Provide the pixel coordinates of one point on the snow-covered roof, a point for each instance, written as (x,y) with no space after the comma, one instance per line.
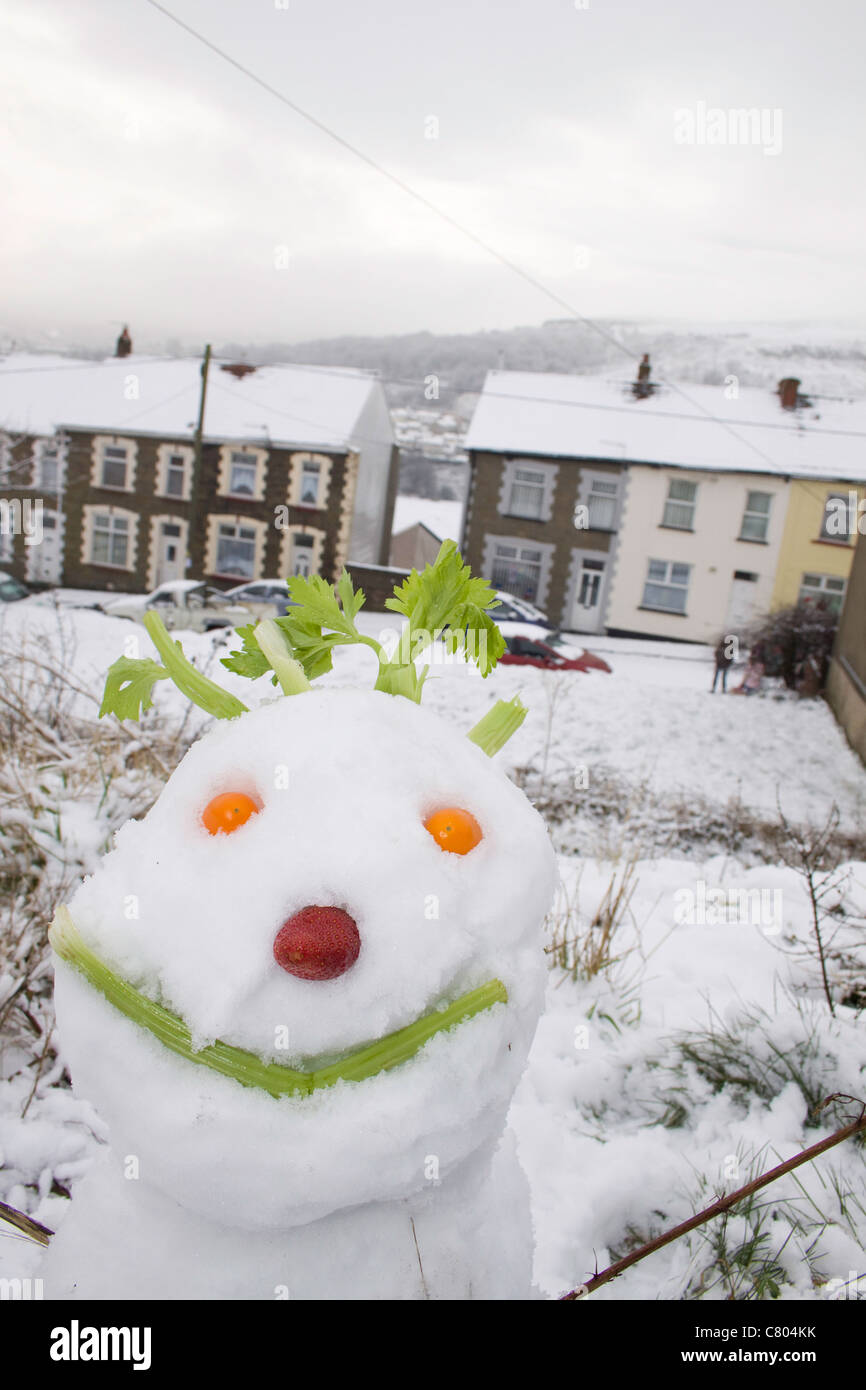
(298,406)
(687,426)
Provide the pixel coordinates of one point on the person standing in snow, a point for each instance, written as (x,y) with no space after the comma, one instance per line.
(724,660)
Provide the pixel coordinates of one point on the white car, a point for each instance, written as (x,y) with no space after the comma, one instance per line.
(183,603)
(517,610)
(267,598)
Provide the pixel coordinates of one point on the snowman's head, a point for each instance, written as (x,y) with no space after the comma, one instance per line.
(370,868)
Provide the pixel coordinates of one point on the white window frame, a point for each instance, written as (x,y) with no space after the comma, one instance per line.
(676,586)
(680,505)
(260,531)
(753,514)
(547,473)
(495,544)
(92,513)
(587,494)
(821,590)
(164,454)
(41,447)
(226,459)
(297,464)
(101,442)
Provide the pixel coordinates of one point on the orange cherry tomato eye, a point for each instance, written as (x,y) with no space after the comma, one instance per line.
(228,811)
(454,829)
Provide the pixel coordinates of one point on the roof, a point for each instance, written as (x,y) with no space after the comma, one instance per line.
(297,406)
(690,426)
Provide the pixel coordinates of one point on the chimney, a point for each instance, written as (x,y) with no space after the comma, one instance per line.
(789,392)
(123,346)
(643,387)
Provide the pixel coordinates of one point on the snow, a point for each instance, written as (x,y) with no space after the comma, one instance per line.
(444,519)
(345,780)
(296,406)
(620,1131)
(690,426)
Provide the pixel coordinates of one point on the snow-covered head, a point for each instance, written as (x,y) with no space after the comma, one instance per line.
(345,783)
(309,978)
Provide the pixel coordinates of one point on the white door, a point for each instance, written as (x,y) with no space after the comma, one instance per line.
(43,560)
(302,556)
(587,612)
(742,603)
(170,557)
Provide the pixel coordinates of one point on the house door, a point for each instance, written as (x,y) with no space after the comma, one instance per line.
(302,556)
(44,559)
(743,601)
(587,614)
(170,557)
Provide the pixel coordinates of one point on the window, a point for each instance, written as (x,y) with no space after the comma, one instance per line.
(242,475)
(527,493)
(48,467)
(175,475)
(110,540)
(310,476)
(680,505)
(840,510)
(115,465)
(667,586)
(602,504)
(236,550)
(823,590)
(517,570)
(756,517)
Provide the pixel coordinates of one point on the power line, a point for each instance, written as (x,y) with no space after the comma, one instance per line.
(431,206)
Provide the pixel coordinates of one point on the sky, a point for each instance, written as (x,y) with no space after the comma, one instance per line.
(588,142)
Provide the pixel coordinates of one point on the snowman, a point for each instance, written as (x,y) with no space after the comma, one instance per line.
(301,991)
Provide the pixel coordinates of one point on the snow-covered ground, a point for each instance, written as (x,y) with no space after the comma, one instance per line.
(663,1079)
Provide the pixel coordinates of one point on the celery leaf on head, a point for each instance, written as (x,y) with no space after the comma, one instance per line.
(444,603)
(447,602)
(250,660)
(129,686)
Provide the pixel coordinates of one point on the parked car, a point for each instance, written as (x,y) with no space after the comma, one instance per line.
(267,598)
(11,588)
(531,651)
(512,609)
(183,603)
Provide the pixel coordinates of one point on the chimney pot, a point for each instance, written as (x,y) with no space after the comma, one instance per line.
(789,392)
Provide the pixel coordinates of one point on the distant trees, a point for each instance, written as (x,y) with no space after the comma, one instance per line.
(795,644)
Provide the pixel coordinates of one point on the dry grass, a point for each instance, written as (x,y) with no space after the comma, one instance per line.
(67,781)
(584,944)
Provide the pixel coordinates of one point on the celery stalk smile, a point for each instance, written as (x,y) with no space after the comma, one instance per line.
(246,1067)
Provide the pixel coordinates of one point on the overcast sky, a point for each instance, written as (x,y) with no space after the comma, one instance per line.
(146,180)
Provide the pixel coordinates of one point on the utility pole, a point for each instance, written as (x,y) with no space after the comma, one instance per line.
(196,462)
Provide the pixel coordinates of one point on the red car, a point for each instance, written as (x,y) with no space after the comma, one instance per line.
(525,651)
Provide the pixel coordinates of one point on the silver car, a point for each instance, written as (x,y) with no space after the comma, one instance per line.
(183,603)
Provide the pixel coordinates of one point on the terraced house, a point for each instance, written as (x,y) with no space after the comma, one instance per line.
(667,512)
(298,471)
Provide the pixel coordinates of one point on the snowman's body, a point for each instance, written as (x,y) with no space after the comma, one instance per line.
(396,1186)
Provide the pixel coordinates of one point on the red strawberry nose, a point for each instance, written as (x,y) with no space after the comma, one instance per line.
(317,943)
